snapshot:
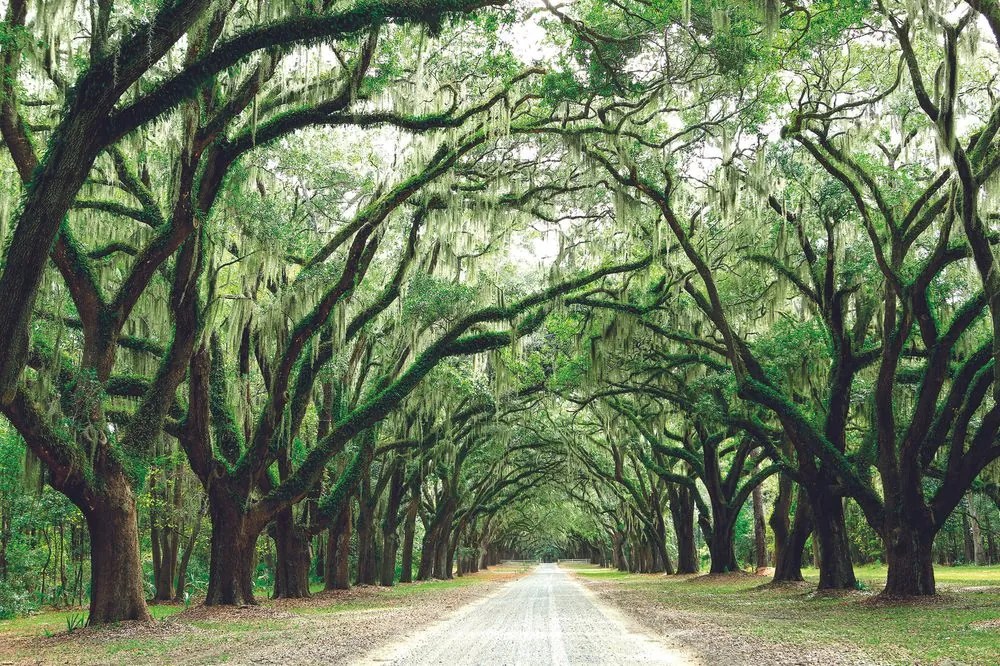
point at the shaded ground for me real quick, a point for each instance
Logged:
(336, 627)
(737, 619)
(544, 618)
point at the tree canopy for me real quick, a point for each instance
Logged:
(394, 289)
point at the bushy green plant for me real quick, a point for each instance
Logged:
(14, 601)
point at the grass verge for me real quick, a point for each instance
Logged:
(960, 626)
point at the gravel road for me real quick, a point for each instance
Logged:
(544, 618)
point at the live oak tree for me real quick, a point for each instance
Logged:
(335, 259)
(133, 71)
(233, 467)
(941, 410)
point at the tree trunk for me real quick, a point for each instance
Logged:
(366, 543)
(390, 523)
(230, 576)
(759, 529)
(154, 543)
(909, 554)
(682, 515)
(338, 563)
(164, 548)
(721, 545)
(484, 555)
(620, 561)
(116, 585)
(836, 572)
(969, 554)
(409, 530)
(291, 547)
(789, 546)
(427, 548)
(454, 542)
(181, 589)
(992, 551)
(320, 556)
(164, 577)
(661, 555)
(975, 532)
(442, 564)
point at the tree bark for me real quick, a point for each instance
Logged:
(230, 577)
(291, 546)
(434, 546)
(367, 572)
(338, 563)
(116, 586)
(409, 530)
(320, 549)
(390, 539)
(975, 532)
(428, 546)
(759, 529)
(682, 515)
(969, 554)
(661, 555)
(836, 571)
(442, 562)
(164, 537)
(909, 555)
(789, 546)
(721, 546)
(454, 543)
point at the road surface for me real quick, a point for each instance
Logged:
(543, 618)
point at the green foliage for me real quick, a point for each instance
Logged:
(42, 537)
(866, 546)
(430, 300)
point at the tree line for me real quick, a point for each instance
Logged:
(318, 290)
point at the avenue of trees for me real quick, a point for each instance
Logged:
(349, 292)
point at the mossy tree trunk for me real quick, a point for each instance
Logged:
(117, 587)
(233, 550)
(291, 546)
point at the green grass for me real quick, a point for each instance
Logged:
(383, 596)
(940, 631)
(947, 578)
(55, 620)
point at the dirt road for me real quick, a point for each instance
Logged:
(544, 618)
